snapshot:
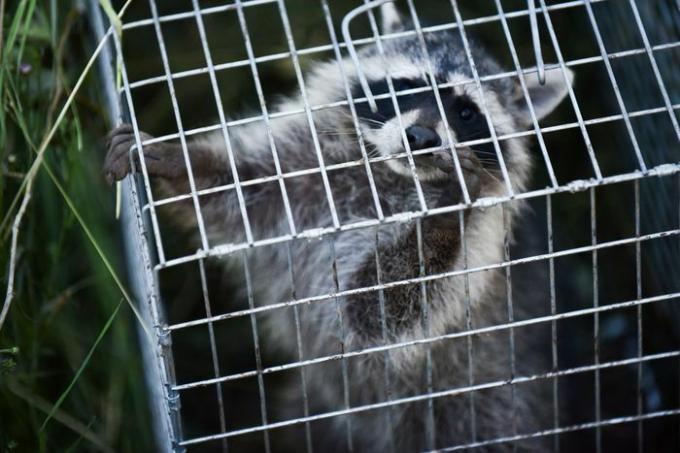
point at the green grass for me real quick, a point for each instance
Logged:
(70, 373)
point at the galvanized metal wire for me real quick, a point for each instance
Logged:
(149, 237)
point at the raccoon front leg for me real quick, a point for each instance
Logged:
(162, 160)
(436, 246)
(400, 260)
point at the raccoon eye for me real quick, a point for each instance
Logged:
(466, 114)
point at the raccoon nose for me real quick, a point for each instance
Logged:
(422, 137)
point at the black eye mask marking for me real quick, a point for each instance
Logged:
(463, 115)
(470, 124)
(385, 106)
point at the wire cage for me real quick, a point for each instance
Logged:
(597, 246)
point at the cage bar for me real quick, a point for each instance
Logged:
(596, 309)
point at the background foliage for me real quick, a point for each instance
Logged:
(64, 293)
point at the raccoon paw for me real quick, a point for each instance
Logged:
(161, 159)
(477, 177)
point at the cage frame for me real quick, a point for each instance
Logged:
(139, 220)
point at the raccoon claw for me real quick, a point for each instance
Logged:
(442, 163)
(159, 158)
(117, 162)
(473, 173)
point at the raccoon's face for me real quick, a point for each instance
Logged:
(416, 123)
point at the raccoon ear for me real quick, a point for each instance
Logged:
(544, 98)
(391, 19)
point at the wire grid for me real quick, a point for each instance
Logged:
(645, 169)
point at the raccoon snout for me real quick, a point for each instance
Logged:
(420, 137)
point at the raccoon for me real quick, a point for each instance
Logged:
(415, 172)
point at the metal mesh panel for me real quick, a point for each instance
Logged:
(603, 224)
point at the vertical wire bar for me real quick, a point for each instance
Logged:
(468, 326)
(478, 84)
(570, 89)
(308, 110)
(265, 116)
(511, 318)
(138, 144)
(341, 328)
(213, 351)
(553, 325)
(440, 106)
(158, 370)
(536, 41)
(615, 87)
(638, 286)
(301, 353)
(180, 128)
(172, 396)
(395, 104)
(596, 320)
(352, 109)
(655, 68)
(383, 325)
(258, 356)
(429, 418)
(525, 92)
(223, 121)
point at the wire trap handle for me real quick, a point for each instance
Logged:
(352, 51)
(536, 39)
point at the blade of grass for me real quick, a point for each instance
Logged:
(62, 417)
(2, 27)
(74, 446)
(65, 393)
(24, 34)
(113, 17)
(13, 30)
(11, 38)
(53, 22)
(108, 9)
(6, 45)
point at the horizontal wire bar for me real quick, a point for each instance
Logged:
(192, 14)
(360, 100)
(566, 429)
(434, 395)
(572, 187)
(246, 4)
(325, 47)
(371, 160)
(431, 277)
(429, 340)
